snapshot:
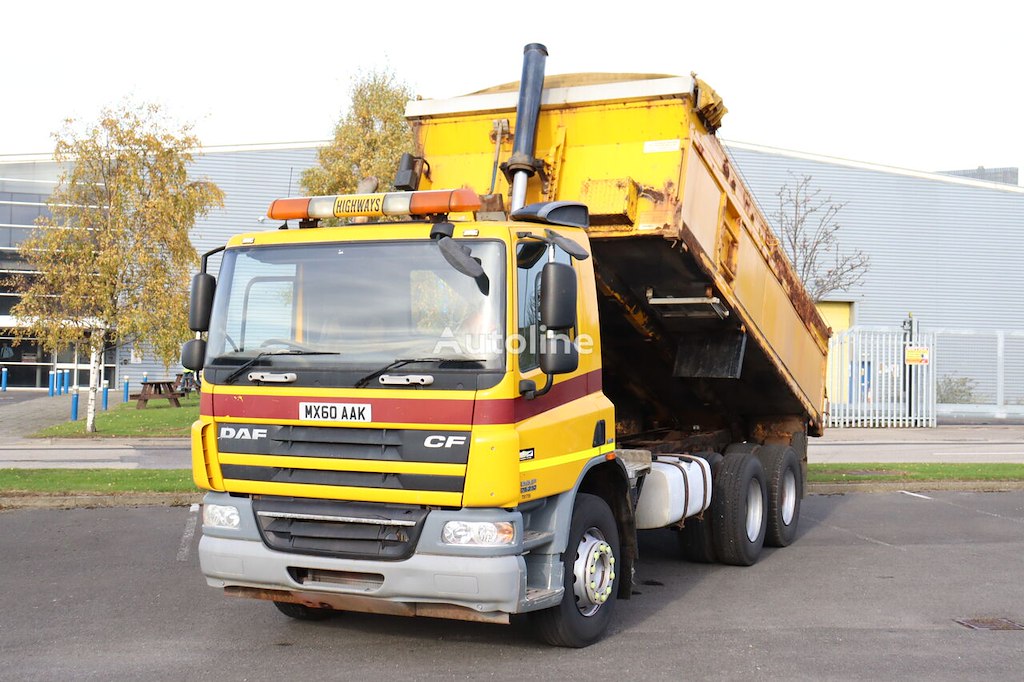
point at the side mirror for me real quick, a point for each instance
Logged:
(193, 354)
(558, 354)
(558, 296)
(200, 304)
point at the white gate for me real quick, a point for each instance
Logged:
(881, 377)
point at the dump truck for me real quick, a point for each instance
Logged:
(569, 323)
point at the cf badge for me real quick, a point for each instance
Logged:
(443, 441)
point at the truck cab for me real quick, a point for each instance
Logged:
(371, 410)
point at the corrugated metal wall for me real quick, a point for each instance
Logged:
(949, 251)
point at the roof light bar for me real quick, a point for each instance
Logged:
(391, 203)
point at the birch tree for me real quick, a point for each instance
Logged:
(368, 139)
(808, 227)
(113, 260)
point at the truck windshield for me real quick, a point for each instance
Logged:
(358, 304)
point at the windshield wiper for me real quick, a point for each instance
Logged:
(394, 364)
(230, 379)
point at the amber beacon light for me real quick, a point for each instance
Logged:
(389, 204)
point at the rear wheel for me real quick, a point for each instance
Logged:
(738, 509)
(785, 488)
(696, 539)
(590, 579)
(303, 612)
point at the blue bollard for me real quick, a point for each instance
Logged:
(125, 390)
(51, 383)
(67, 381)
(106, 394)
(74, 405)
(3, 379)
(145, 377)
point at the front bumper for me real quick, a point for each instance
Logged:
(480, 583)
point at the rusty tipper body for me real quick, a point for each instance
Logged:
(579, 327)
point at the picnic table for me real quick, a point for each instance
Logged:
(158, 390)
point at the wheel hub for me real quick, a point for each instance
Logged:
(755, 510)
(593, 572)
(787, 498)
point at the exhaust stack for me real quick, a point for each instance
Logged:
(522, 165)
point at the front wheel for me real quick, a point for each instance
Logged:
(590, 579)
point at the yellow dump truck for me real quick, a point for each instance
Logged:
(568, 324)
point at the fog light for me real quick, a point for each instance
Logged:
(479, 533)
(221, 516)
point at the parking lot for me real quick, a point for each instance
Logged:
(872, 589)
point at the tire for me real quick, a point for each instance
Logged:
(738, 509)
(590, 582)
(303, 612)
(785, 489)
(696, 539)
(739, 448)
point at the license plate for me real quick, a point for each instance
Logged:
(335, 412)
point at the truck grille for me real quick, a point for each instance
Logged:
(246, 450)
(353, 530)
(391, 445)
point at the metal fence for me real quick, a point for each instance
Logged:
(905, 377)
(980, 374)
(881, 377)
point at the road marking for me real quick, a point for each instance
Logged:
(190, 531)
(865, 538)
(1011, 519)
(923, 497)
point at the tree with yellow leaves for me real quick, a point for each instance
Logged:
(113, 260)
(368, 140)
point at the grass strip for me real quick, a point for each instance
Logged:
(859, 473)
(95, 481)
(108, 481)
(159, 419)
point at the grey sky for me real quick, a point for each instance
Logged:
(921, 85)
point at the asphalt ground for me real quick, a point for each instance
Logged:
(872, 589)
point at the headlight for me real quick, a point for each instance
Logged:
(479, 533)
(220, 516)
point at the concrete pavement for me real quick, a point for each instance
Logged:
(26, 412)
(943, 444)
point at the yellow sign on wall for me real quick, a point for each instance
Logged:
(916, 355)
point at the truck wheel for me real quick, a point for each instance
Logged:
(738, 518)
(739, 448)
(590, 580)
(785, 488)
(696, 539)
(303, 612)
